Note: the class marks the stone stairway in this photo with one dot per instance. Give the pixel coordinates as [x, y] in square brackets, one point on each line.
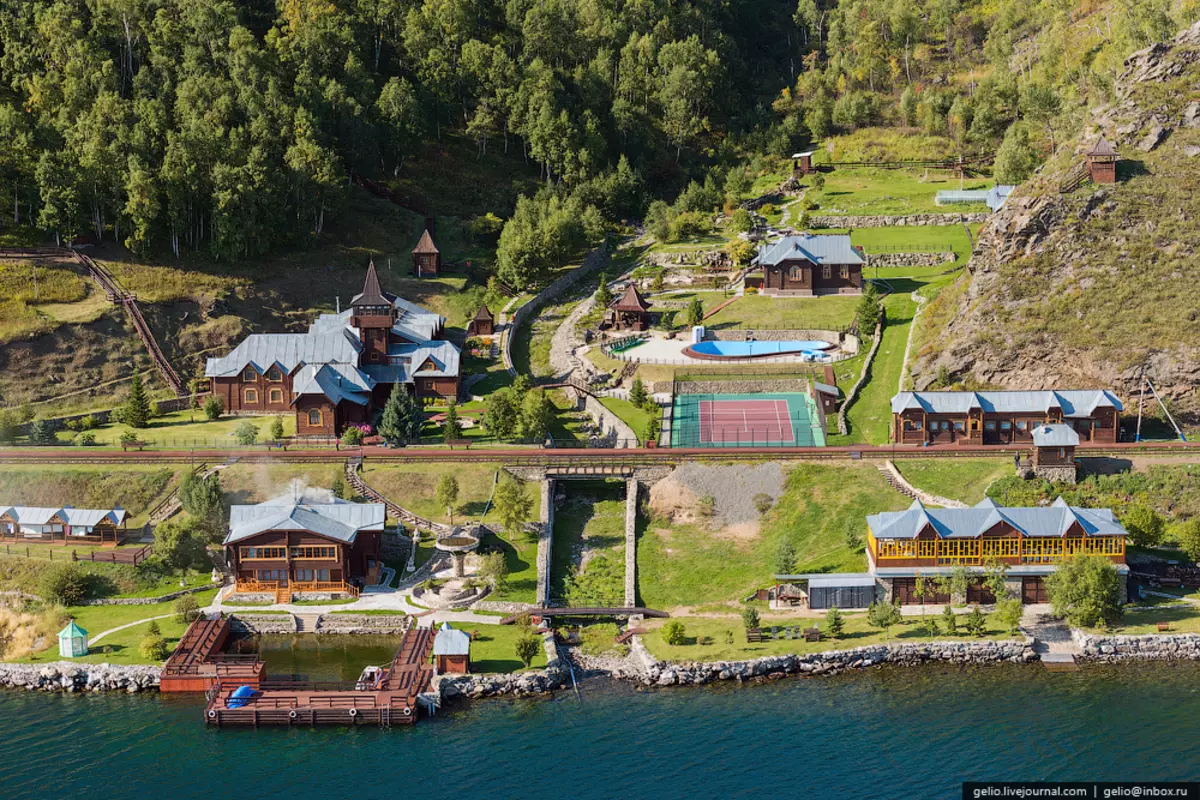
[307, 623]
[897, 482]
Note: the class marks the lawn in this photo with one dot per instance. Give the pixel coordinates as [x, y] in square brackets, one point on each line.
[1182, 619]
[706, 637]
[633, 416]
[590, 523]
[962, 479]
[758, 312]
[18, 573]
[253, 483]
[121, 647]
[862, 190]
[134, 487]
[186, 429]
[494, 648]
[520, 555]
[822, 512]
[412, 486]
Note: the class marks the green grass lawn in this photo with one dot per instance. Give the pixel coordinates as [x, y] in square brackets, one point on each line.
[706, 637]
[494, 648]
[1182, 619]
[758, 312]
[635, 417]
[412, 486]
[121, 647]
[861, 190]
[822, 512]
[137, 488]
[254, 483]
[520, 554]
[186, 429]
[963, 479]
[592, 520]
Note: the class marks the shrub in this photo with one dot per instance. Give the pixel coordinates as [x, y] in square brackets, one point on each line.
[87, 423]
[1144, 524]
[674, 633]
[246, 433]
[128, 438]
[834, 624]
[152, 629]
[527, 647]
[750, 617]
[41, 433]
[707, 505]
[214, 407]
[763, 502]
[72, 424]
[277, 428]
[86, 439]
[187, 610]
[975, 622]
[66, 584]
[741, 221]
[1187, 535]
[1086, 590]
[154, 647]
[950, 620]
[1009, 612]
[352, 437]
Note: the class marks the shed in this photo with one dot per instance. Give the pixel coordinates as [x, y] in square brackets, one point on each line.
[843, 591]
[72, 641]
[483, 324]
[451, 650]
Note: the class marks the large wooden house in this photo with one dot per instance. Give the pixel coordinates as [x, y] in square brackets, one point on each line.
[806, 265]
[1031, 542]
[343, 369]
[64, 525]
[981, 418]
[304, 542]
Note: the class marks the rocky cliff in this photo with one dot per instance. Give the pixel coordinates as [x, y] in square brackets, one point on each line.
[1078, 285]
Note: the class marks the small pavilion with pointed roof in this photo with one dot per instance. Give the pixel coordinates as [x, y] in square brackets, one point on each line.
[1102, 162]
[72, 641]
[484, 324]
[427, 259]
[629, 312]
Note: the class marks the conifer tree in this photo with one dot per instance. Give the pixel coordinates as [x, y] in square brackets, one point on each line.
[137, 409]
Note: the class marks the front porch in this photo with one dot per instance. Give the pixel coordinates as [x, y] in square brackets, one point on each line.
[282, 592]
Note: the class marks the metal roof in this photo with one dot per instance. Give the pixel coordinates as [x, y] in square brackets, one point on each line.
[1102, 148]
[335, 519]
[83, 517]
[825, 388]
[997, 196]
[830, 249]
[338, 382]
[802, 155]
[72, 631]
[1055, 436]
[1073, 402]
[450, 642]
[949, 523]
[961, 196]
[287, 351]
[372, 293]
[835, 581]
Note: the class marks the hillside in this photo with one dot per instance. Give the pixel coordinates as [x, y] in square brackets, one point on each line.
[1082, 288]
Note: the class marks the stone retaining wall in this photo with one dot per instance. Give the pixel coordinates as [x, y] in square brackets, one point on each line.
[1151, 647]
[852, 395]
[545, 537]
[503, 607]
[909, 259]
[631, 509]
[362, 624]
[517, 684]
[248, 622]
[885, 221]
[615, 432]
[68, 676]
[740, 335]
[144, 601]
[665, 673]
[783, 384]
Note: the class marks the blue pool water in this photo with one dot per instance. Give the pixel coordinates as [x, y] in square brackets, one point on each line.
[750, 349]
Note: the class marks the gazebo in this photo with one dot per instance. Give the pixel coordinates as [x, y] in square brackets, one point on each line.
[72, 641]
[629, 312]
[1102, 162]
[427, 259]
[451, 650]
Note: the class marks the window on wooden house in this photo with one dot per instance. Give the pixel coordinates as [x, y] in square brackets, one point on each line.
[990, 425]
[959, 427]
[249, 375]
[314, 552]
[826, 272]
[845, 272]
[1005, 425]
[795, 273]
[314, 417]
[251, 395]
[275, 374]
[276, 395]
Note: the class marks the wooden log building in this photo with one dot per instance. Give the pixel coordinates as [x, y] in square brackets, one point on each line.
[64, 525]
[629, 312]
[1003, 417]
[1102, 162]
[807, 266]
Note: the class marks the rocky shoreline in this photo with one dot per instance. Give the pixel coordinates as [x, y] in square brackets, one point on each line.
[69, 677]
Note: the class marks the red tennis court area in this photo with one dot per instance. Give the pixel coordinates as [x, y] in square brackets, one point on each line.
[739, 421]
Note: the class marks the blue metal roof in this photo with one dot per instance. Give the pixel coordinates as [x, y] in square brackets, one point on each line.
[1073, 402]
[831, 249]
[950, 523]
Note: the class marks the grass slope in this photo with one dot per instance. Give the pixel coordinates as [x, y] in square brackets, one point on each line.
[136, 488]
[963, 479]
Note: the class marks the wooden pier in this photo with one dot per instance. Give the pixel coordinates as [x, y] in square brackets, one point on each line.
[199, 659]
[390, 700]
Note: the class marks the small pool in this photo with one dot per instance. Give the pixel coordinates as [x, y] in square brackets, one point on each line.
[716, 350]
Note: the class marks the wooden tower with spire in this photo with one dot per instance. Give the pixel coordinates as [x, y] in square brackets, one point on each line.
[427, 261]
[1102, 162]
[373, 314]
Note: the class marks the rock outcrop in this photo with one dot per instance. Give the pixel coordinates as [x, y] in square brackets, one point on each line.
[1079, 286]
[69, 677]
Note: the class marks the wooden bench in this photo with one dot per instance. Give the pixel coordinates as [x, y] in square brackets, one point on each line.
[276, 446]
[754, 635]
[463, 443]
[1164, 626]
[812, 634]
[136, 445]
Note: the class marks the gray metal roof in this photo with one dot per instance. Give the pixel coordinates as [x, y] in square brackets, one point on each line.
[83, 517]
[831, 249]
[825, 388]
[287, 351]
[961, 196]
[835, 581]
[335, 519]
[338, 382]
[997, 196]
[1073, 402]
[949, 523]
[450, 642]
[1055, 436]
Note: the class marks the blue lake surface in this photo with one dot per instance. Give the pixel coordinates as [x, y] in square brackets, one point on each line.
[886, 733]
[748, 349]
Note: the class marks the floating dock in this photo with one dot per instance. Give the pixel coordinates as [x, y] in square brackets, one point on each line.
[199, 659]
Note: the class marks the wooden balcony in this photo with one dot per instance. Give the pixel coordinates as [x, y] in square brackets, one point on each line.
[1012, 551]
[283, 590]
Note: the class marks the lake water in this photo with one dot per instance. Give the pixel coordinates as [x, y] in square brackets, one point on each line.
[321, 657]
[888, 733]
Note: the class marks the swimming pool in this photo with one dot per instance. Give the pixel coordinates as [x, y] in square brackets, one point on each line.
[719, 349]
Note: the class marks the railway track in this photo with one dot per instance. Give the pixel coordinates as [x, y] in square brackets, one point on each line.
[573, 456]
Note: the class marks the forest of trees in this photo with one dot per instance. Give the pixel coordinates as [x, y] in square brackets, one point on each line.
[231, 128]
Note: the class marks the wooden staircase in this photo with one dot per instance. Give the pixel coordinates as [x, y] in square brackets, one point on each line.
[283, 595]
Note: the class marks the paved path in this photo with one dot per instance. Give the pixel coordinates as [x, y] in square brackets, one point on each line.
[100, 636]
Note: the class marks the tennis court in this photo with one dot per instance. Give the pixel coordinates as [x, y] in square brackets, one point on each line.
[745, 420]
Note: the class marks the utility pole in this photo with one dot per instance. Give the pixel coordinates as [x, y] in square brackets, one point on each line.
[1141, 400]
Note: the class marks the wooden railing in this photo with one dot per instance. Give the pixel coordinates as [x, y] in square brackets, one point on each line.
[274, 587]
[247, 586]
[324, 586]
[977, 552]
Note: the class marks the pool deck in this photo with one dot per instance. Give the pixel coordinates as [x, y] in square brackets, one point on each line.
[670, 351]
